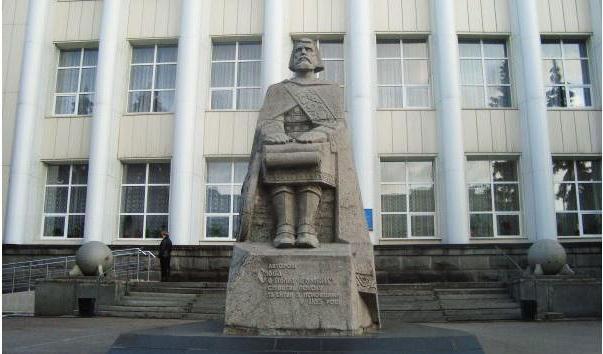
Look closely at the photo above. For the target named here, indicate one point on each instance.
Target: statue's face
(304, 56)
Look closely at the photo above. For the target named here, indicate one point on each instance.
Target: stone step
(469, 285)
(413, 302)
(441, 291)
(407, 292)
(417, 305)
(418, 286)
(404, 286)
(154, 295)
(124, 308)
(414, 316)
(165, 315)
(495, 296)
(483, 314)
(477, 304)
(200, 299)
(218, 309)
(157, 284)
(208, 302)
(126, 301)
(177, 290)
(441, 285)
(388, 299)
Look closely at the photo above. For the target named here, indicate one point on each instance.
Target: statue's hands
(313, 136)
(277, 138)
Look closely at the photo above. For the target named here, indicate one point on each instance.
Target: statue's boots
(307, 208)
(283, 202)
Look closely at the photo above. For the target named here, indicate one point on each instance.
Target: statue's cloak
(322, 101)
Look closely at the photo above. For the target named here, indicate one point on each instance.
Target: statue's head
(305, 56)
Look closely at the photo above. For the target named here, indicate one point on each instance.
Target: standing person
(165, 254)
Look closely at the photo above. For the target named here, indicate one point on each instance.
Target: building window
(493, 198)
(236, 75)
(565, 73)
(407, 199)
(152, 78)
(65, 200)
(145, 198)
(403, 73)
(223, 198)
(577, 197)
(484, 73)
(76, 74)
(332, 58)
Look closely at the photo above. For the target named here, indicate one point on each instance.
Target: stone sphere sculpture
(91, 255)
(549, 254)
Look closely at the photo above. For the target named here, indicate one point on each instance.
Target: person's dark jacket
(165, 248)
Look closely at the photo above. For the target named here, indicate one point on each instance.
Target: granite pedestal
(207, 337)
(294, 291)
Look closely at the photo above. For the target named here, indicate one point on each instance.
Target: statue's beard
(304, 64)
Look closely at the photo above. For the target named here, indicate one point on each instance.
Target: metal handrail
(128, 264)
(509, 258)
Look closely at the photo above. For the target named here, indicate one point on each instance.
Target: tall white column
(360, 44)
(536, 169)
(452, 191)
(104, 114)
(595, 13)
(27, 106)
(182, 167)
(275, 43)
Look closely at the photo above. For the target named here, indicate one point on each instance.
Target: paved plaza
(95, 335)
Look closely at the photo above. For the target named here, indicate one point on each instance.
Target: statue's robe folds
(322, 102)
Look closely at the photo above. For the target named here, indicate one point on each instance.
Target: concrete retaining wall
(394, 263)
(21, 302)
(60, 296)
(558, 294)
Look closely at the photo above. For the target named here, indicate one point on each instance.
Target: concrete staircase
(441, 302)
(178, 300)
(425, 302)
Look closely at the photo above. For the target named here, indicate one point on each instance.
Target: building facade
(473, 121)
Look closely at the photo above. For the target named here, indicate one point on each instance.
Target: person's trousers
(165, 268)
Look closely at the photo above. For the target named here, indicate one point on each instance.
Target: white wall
(401, 15)
(487, 16)
(227, 133)
(564, 16)
(575, 132)
(145, 136)
(153, 18)
(314, 16)
(76, 20)
(406, 132)
(495, 131)
(236, 17)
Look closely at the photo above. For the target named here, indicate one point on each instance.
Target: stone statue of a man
(295, 137)
(301, 191)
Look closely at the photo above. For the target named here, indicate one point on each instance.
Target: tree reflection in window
(577, 191)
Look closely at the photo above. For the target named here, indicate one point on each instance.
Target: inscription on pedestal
(296, 291)
(282, 281)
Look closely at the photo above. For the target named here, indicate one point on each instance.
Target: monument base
(294, 292)
(207, 337)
